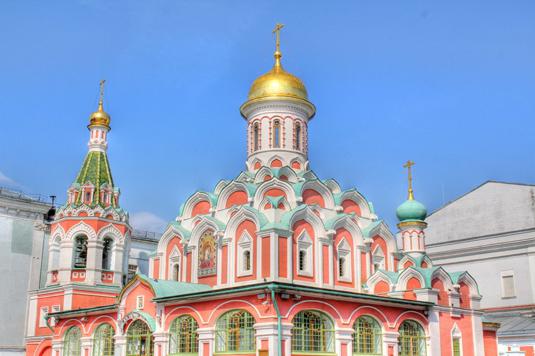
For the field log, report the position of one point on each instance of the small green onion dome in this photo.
(411, 210)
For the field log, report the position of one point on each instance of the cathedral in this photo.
(276, 261)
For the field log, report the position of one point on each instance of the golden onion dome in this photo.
(100, 117)
(278, 84)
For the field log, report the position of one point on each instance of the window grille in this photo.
(106, 254)
(139, 340)
(176, 271)
(72, 345)
(367, 338)
(247, 260)
(183, 337)
(341, 263)
(104, 344)
(256, 136)
(312, 332)
(411, 339)
(302, 260)
(235, 333)
(80, 252)
(297, 136)
(456, 347)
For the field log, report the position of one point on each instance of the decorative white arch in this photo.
(358, 199)
(230, 188)
(322, 189)
(261, 174)
(274, 184)
(197, 197)
(111, 230)
(79, 229)
(345, 222)
(441, 274)
(407, 274)
(377, 277)
(307, 214)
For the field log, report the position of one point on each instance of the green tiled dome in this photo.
(411, 210)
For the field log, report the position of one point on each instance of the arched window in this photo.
(183, 337)
(71, 343)
(235, 333)
(256, 137)
(276, 134)
(80, 252)
(106, 254)
(139, 340)
(104, 344)
(312, 332)
(176, 271)
(304, 255)
(411, 339)
(367, 337)
(341, 266)
(247, 260)
(297, 136)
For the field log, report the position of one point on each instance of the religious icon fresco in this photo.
(207, 254)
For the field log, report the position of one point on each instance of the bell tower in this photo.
(89, 243)
(277, 111)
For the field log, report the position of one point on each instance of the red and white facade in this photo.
(276, 243)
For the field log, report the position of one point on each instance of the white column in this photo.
(267, 332)
(433, 339)
(65, 262)
(120, 345)
(390, 340)
(477, 329)
(57, 347)
(87, 345)
(343, 336)
(161, 343)
(94, 262)
(206, 336)
(117, 267)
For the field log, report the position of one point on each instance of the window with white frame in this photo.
(508, 284)
(140, 302)
(378, 259)
(174, 265)
(456, 341)
(43, 312)
(245, 255)
(343, 251)
(304, 255)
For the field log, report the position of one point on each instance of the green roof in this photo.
(95, 171)
(165, 288)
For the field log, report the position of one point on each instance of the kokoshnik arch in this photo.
(274, 262)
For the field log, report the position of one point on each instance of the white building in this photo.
(23, 233)
(490, 232)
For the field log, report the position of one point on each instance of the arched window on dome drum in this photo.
(367, 338)
(297, 136)
(411, 339)
(256, 137)
(139, 340)
(103, 344)
(312, 332)
(71, 343)
(183, 337)
(106, 254)
(235, 333)
(80, 252)
(276, 134)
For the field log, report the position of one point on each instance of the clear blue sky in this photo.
(448, 84)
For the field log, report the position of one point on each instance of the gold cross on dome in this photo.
(276, 31)
(409, 165)
(102, 90)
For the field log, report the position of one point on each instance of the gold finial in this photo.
(278, 54)
(101, 98)
(100, 117)
(409, 165)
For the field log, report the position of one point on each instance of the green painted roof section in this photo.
(274, 201)
(148, 318)
(411, 210)
(96, 171)
(368, 229)
(165, 288)
(185, 233)
(329, 224)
